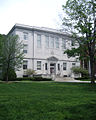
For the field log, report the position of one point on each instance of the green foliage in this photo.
(11, 54)
(80, 20)
(33, 79)
(30, 72)
(78, 70)
(11, 75)
(47, 101)
(73, 52)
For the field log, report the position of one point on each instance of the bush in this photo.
(11, 75)
(30, 72)
(33, 79)
(82, 78)
(79, 70)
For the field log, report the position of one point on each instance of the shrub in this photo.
(33, 79)
(30, 72)
(11, 75)
(78, 70)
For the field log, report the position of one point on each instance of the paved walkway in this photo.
(69, 79)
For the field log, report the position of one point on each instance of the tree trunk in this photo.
(92, 75)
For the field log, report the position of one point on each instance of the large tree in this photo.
(11, 55)
(80, 19)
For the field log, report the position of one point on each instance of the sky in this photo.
(40, 13)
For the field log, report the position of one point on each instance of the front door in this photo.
(52, 68)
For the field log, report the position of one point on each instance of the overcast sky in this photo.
(41, 13)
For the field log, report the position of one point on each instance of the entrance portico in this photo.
(52, 64)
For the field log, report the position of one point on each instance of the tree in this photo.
(81, 21)
(30, 72)
(1, 42)
(11, 55)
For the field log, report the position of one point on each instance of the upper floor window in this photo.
(39, 41)
(51, 42)
(25, 64)
(57, 42)
(64, 66)
(25, 36)
(47, 41)
(38, 65)
(63, 43)
(25, 49)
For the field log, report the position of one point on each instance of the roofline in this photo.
(43, 29)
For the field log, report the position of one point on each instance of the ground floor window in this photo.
(73, 64)
(38, 65)
(58, 66)
(25, 64)
(46, 67)
(64, 66)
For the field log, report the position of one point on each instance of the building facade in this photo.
(44, 51)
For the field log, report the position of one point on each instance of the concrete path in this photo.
(69, 79)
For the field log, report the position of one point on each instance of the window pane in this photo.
(38, 65)
(25, 49)
(25, 36)
(25, 62)
(57, 42)
(38, 41)
(73, 64)
(64, 66)
(47, 41)
(45, 66)
(51, 42)
(63, 44)
(58, 66)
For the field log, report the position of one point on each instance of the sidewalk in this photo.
(69, 79)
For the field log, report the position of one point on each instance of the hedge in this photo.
(32, 79)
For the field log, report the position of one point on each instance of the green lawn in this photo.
(47, 101)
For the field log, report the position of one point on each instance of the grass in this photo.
(47, 101)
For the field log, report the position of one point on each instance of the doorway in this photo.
(52, 68)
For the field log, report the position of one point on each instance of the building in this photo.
(44, 50)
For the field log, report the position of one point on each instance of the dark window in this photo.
(25, 62)
(64, 66)
(46, 66)
(24, 51)
(24, 66)
(58, 66)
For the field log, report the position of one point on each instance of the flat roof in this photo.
(44, 29)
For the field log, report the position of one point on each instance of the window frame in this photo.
(38, 41)
(38, 65)
(64, 66)
(25, 64)
(25, 35)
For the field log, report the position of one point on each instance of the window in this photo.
(46, 66)
(39, 41)
(51, 42)
(72, 42)
(38, 65)
(64, 66)
(25, 63)
(25, 36)
(25, 49)
(58, 66)
(73, 64)
(57, 42)
(47, 41)
(63, 43)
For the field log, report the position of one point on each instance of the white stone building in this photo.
(44, 50)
